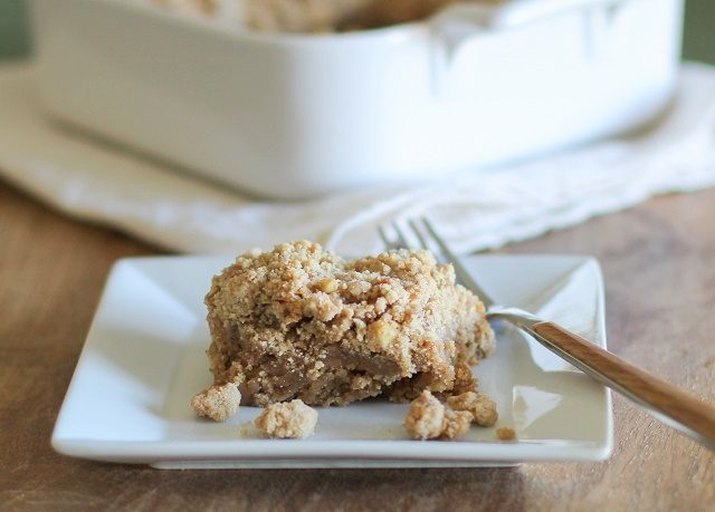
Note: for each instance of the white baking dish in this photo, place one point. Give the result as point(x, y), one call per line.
point(297, 115)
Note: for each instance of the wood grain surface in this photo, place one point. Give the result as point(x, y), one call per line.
point(659, 265)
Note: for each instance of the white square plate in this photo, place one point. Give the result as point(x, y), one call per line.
point(144, 358)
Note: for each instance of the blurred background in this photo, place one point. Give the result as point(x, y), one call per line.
point(698, 41)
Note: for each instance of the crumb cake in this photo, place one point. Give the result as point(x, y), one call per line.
point(301, 322)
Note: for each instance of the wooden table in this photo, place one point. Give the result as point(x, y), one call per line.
point(659, 265)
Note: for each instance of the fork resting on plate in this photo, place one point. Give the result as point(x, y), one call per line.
point(673, 406)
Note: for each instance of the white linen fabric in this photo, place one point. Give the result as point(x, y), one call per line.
point(474, 210)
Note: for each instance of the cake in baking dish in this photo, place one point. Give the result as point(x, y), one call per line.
point(312, 16)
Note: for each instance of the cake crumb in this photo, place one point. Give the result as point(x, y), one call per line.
point(480, 406)
point(455, 424)
point(218, 403)
point(428, 418)
point(288, 420)
point(425, 417)
point(506, 434)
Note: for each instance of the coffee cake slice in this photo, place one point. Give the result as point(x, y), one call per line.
point(301, 322)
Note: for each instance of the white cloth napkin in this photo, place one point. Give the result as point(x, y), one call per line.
point(475, 210)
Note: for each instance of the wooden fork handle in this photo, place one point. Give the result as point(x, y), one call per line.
point(674, 406)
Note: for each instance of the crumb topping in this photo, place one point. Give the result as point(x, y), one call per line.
point(464, 379)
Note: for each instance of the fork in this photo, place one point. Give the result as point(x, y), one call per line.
point(673, 406)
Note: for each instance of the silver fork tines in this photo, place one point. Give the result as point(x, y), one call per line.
point(443, 254)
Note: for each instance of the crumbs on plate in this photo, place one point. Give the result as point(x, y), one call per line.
point(218, 403)
point(506, 434)
point(299, 326)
